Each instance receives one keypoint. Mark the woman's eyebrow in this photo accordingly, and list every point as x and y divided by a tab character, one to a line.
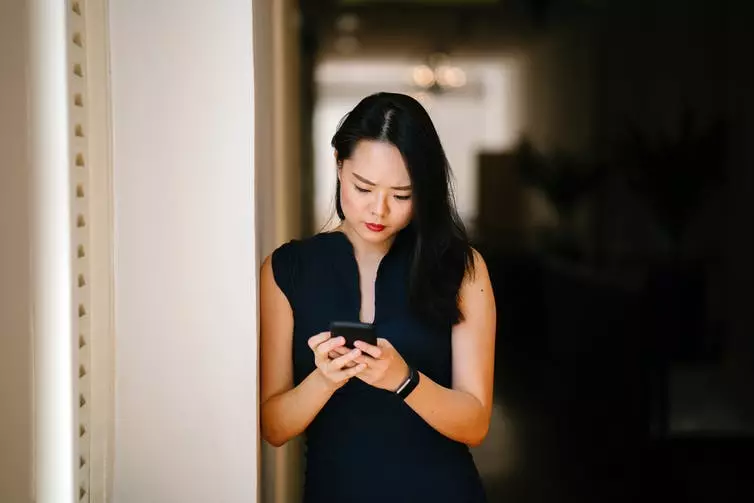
364	180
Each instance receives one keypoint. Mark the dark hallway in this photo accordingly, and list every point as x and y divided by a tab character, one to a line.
617	230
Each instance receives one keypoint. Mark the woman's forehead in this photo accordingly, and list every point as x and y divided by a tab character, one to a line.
379	162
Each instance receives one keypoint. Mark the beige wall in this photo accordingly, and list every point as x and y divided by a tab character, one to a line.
101	407
15	334
278	122
186	344
278	178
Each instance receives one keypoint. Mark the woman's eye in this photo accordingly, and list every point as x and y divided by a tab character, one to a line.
360	189
403	198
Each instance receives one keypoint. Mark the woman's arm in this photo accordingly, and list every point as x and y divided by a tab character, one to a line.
463	412
287	411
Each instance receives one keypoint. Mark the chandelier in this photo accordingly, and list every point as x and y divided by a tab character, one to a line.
438	74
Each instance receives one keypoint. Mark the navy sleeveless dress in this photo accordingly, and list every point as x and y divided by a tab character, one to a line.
366	445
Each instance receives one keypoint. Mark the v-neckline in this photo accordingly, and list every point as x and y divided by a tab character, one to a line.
357	276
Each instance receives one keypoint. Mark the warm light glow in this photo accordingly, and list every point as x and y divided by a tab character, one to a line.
438	72
451	76
424	76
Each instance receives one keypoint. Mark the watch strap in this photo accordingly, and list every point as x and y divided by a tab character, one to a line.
411	382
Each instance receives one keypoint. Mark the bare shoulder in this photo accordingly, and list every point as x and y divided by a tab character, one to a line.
266	266
476	298
478	275
265	270
270	290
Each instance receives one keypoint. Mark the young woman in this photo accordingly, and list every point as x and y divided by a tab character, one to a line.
391	421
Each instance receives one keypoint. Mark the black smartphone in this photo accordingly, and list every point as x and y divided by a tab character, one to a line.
353	331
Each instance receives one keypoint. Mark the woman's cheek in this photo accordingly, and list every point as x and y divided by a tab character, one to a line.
408	213
345	197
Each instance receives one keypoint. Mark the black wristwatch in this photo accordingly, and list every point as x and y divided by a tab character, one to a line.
411	382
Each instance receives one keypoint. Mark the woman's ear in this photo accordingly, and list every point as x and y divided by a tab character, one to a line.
338	164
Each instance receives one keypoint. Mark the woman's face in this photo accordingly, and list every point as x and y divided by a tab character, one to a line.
375	191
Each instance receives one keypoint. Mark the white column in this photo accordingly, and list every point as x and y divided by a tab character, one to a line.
50	241
185	252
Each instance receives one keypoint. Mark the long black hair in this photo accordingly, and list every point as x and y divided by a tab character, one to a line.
442	253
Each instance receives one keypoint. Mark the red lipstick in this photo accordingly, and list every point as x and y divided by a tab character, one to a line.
375	227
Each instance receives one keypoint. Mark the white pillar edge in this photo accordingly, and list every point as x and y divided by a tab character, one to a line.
102	257
50	236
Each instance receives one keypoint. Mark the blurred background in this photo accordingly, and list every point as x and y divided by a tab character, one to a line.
152	156
602	158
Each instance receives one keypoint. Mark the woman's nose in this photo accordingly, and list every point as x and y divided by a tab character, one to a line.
379	208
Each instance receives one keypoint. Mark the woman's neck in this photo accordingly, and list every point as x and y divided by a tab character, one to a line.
364	250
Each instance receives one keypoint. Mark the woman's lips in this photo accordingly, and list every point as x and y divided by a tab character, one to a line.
375	227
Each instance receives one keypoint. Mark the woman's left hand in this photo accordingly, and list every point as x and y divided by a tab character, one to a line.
386	369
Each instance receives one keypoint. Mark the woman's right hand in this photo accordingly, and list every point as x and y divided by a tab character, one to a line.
336	371
340	351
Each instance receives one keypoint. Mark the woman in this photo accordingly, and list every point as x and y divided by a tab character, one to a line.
391	421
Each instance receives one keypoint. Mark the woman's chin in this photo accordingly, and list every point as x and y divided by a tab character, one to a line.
373	237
